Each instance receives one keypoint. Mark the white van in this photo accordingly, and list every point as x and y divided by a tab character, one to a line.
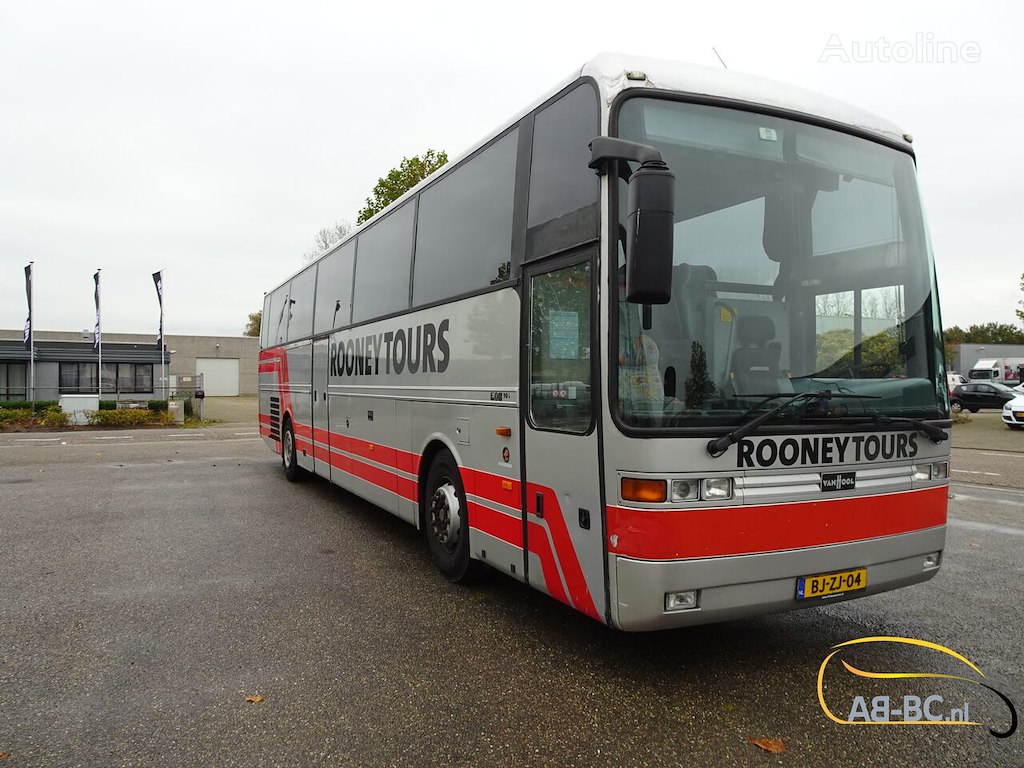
955	379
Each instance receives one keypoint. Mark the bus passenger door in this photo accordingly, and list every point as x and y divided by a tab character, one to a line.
563	505
321	417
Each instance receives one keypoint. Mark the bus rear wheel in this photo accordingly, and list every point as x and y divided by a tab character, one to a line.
289	457
446	519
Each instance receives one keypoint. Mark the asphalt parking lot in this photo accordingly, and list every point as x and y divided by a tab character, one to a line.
154	580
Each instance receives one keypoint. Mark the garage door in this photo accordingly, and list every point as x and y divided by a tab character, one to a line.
220	375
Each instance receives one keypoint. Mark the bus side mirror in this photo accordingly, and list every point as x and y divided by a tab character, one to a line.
650	225
650	217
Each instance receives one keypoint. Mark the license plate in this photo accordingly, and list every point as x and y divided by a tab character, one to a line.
829	584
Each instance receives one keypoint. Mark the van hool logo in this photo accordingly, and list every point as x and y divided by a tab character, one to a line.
923	707
421	348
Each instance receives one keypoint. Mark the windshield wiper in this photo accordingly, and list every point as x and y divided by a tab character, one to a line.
933	433
719	445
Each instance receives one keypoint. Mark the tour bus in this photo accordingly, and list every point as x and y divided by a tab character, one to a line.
666	347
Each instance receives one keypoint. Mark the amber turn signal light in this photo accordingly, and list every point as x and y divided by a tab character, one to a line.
649	491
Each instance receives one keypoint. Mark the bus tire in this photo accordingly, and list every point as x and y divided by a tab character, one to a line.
445	519
289	454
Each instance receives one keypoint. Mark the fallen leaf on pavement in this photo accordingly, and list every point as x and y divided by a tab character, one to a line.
254	699
769	745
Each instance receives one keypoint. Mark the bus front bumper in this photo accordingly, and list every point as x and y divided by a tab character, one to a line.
748	585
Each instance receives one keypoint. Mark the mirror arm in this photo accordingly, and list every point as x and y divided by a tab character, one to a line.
605	148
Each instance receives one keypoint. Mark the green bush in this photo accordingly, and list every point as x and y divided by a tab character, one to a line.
129	417
188	408
39	405
11	416
157	406
108	405
55	418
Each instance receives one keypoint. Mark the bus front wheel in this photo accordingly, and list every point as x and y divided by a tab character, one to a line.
446	520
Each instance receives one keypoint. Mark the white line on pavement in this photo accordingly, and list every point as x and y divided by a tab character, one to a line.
36	439
976	472
1004	530
1002	455
245	433
1005	502
190	434
113	437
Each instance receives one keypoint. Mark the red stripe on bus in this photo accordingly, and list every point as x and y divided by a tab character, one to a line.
276	361
565	551
497	524
537	539
717	532
407	462
502	490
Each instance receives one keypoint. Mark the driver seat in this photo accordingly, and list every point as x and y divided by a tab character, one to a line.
755	362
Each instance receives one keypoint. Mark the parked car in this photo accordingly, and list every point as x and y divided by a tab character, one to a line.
1013	412
976	396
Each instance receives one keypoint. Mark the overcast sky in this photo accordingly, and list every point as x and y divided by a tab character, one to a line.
213	139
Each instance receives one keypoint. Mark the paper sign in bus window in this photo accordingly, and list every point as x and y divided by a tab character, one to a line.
564	338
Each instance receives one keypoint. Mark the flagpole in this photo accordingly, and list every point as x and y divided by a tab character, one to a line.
158	281
163	340
31	339
32	346
99	340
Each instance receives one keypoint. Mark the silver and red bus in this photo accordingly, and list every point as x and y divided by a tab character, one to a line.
666	347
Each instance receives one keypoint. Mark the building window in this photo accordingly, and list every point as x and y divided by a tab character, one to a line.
118	378
13	381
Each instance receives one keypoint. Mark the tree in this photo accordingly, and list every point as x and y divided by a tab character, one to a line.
400	180
1020	312
326	238
989	333
252	328
698	385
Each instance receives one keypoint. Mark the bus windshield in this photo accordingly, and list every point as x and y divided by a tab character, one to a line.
800	264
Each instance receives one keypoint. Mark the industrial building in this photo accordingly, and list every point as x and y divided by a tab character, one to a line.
66	363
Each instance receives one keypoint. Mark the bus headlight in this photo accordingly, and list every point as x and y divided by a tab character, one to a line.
718	488
685	490
938	470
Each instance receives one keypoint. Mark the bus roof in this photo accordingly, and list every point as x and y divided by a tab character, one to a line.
609	71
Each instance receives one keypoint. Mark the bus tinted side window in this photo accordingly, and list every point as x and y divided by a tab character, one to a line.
300	305
382	266
264	324
276	321
334	289
564	192
464	231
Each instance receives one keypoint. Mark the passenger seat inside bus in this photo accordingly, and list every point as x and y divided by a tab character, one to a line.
755	362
